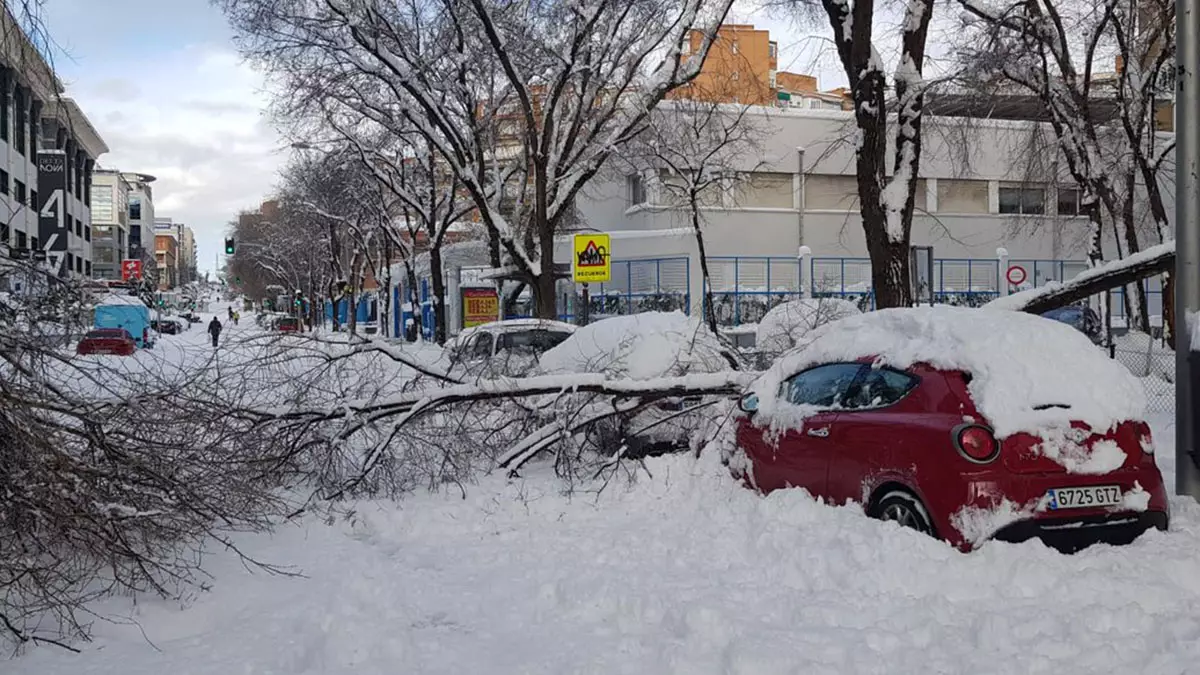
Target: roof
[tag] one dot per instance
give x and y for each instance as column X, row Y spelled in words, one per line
column 111, row 299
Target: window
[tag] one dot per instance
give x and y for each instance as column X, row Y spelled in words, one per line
column 773, row 80
column 773, row 49
column 87, row 268
column 1029, row 201
column 481, row 346
column 762, row 190
column 734, row 76
column 33, row 199
column 21, row 240
column 78, row 228
column 839, row 193
column 3, row 182
column 70, row 261
column 825, row 386
column 536, row 341
column 3, row 233
column 79, row 265
column 135, row 208
column 636, row 189
column 22, row 111
column 962, row 196
column 33, row 243
column 1068, row 201
column 19, row 192
column 5, row 107
column 735, row 48
column 881, row 387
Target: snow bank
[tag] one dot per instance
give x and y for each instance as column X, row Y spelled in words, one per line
column 680, row 573
column 1018, row 362
column 786, row 325
column 640, row 347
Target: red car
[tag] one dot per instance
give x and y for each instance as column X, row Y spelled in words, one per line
column 909, row 442
column 107, row 341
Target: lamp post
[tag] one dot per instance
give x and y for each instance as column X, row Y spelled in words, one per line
column 1187, row 247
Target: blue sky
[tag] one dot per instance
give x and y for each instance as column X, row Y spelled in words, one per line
column 162, row 83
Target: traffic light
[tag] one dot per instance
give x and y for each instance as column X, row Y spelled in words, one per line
column 229, row 246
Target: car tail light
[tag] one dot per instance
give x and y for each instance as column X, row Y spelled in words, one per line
column 976, row 443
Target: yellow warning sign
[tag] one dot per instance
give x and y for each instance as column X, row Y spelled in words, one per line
column 592, row 262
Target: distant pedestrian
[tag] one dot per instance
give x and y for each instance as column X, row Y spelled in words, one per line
column 214, row 329
column 236, row 316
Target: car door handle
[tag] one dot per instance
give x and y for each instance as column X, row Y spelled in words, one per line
column 820, row 432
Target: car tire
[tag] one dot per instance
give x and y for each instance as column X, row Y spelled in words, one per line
column 905, row 509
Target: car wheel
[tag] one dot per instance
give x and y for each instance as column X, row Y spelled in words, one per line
column 904, row 509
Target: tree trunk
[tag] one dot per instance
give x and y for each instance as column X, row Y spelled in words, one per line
column 710, row 310
column 438, row 281
column 1140, row 317
column 414, row 303
column 544, row 285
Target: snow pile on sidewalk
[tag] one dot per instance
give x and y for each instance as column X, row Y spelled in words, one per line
column 683, row 573
column 1028, row 373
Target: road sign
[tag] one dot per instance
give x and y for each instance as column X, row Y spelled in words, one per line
column 131, row 269
column 479, row 306
column 1016, row 275
column 592, row 262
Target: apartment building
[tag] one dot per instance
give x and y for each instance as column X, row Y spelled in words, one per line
column 110, row 223
column 743, row 67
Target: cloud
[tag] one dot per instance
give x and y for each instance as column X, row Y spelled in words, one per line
column 191, row 116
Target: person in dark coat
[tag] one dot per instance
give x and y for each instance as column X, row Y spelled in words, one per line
column 214, row 329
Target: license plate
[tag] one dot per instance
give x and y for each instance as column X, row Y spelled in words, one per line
column 1084, row 497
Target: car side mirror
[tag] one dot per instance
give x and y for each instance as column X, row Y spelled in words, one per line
column 748, row 403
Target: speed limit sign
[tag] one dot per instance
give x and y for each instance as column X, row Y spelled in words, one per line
column 1016, row 275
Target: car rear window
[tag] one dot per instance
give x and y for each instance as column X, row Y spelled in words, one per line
column 108, row 333
column 532, row 340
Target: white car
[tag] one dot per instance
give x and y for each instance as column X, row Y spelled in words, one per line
column 509, row 347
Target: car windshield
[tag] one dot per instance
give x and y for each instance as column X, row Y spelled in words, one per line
column 532, row 340
column 1069, row 315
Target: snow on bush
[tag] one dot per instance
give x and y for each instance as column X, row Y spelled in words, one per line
column 639, row 347
column 1028, row 373
column 785, row 326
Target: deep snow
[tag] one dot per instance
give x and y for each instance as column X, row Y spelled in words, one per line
column 680, row 571
column 684, row 572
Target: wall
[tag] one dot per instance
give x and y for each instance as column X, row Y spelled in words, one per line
column 955, row 149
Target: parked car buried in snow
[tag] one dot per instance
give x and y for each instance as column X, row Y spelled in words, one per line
column 966, row 424
column 508, row 347
column 107, row 341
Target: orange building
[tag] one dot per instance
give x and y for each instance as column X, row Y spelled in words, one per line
column 742, row 67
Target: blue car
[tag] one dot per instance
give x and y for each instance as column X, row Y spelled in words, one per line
column 1081, row 318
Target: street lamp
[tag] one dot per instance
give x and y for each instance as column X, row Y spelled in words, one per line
column 1187, row 248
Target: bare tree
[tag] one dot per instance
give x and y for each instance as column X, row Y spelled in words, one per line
column 698, row 150
column 886, row 193
column 523, row 102
column 1104, row 124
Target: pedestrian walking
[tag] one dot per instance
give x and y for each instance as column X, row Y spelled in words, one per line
column 214, row 329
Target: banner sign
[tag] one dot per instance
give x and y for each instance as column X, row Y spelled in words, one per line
column 479, row 306
column 52, row 211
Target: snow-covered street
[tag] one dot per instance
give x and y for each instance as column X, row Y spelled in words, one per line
column 679, row 571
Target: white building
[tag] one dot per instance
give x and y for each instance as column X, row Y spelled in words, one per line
column 141, row 216
column 38, row 123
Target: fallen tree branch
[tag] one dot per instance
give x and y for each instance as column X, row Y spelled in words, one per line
column 1151, row 262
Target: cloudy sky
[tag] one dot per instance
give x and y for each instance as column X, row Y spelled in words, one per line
column 162, row 82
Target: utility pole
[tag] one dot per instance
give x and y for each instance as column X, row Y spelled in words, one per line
column 1187, row 247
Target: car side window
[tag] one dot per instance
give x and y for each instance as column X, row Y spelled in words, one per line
column 880, row 387
column 481, row 346
column 823, row 387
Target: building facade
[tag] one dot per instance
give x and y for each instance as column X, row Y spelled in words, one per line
column 141, row 217
column 110, row 223
column 166, row 259
column 48, row 150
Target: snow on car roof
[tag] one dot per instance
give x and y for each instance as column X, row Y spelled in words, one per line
column 1017, row 361
column 639, row 346
column 510, row 325
column 115, row 299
